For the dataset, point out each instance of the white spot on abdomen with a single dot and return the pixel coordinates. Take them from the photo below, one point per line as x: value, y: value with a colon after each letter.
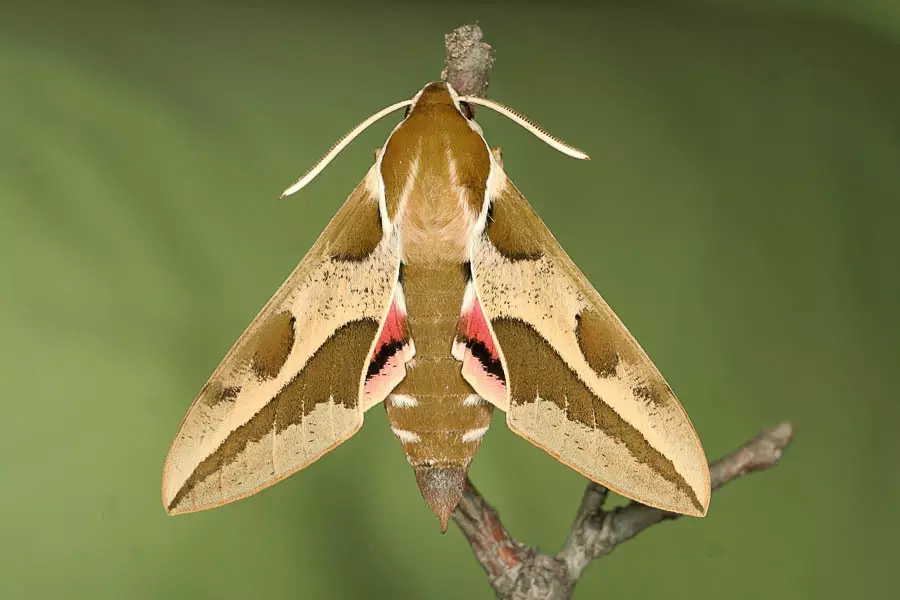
x: 472, y: 400
x: 473, y: 435
x: 403, y: 401
x: 407, y: 437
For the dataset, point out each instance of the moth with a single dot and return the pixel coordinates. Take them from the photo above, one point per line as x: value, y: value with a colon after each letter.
x: 437, y: 291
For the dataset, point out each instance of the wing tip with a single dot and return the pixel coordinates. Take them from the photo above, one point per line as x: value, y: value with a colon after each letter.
x: 165, y: 496
x: 697, y: 506
x: 694, y: 510
x: 693, y: 505
x: 168, y: 499
x: 168, y: 506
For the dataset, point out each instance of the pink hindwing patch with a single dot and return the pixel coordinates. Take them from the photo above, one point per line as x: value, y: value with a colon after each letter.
x: 476, y: 348
x: 393, y: 350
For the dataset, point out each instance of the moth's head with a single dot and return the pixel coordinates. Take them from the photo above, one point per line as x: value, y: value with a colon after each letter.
x: 438, y: 96
x: 439, y: 100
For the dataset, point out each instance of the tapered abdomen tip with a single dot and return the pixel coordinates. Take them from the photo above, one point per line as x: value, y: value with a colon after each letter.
x: 442, y: 487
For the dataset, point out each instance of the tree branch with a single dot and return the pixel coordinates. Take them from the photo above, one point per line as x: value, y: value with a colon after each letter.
x: 596, y: 532
x: 469, y: 61
x: 518, y: 571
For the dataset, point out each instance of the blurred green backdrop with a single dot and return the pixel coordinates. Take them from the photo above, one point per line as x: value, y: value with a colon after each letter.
x: 740, y: 214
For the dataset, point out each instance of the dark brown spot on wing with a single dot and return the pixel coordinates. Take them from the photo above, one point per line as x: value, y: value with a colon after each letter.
x: 507, y: 230
x: 534, y: 369
x: 597, y: 340
x: 605, y: 344
x: 654, y: 392
x: 332, y: 372
x: 216, y: 393
x: 270, y: 345
x: 227, y: 394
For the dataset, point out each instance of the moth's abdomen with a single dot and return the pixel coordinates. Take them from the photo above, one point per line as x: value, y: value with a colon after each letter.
x: 434, y: 412
x: 435, y: 169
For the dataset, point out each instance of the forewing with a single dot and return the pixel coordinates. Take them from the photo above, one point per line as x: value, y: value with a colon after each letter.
x: 577, y: 383
x: 297, y: 381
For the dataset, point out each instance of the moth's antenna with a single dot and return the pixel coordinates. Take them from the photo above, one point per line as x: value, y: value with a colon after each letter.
x: 340, y: 145
x: 527, y: 124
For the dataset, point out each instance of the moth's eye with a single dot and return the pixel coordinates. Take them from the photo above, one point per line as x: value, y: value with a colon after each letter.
x: 407, y: 111
x: 466, y: 109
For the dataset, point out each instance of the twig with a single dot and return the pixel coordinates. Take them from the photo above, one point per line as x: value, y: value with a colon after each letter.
x: 597, y: 532
x: 469, y: 61
x: 518, y: 571
x: 500, y: 555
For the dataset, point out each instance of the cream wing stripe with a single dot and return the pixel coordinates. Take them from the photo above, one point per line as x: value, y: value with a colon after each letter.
x: 268, y: 460
x: 349, y: 280
x: 521, y: 295
x: 519, y: 289
x: 207, y: 426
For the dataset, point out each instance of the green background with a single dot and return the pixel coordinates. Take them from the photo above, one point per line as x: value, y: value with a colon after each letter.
x: 740, y: 214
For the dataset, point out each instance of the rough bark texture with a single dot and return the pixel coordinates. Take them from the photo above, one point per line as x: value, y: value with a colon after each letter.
x: 469, y: 61
x: 518, y: 571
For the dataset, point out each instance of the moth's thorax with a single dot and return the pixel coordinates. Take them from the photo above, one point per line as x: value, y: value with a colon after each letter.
x: 435, y: 169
